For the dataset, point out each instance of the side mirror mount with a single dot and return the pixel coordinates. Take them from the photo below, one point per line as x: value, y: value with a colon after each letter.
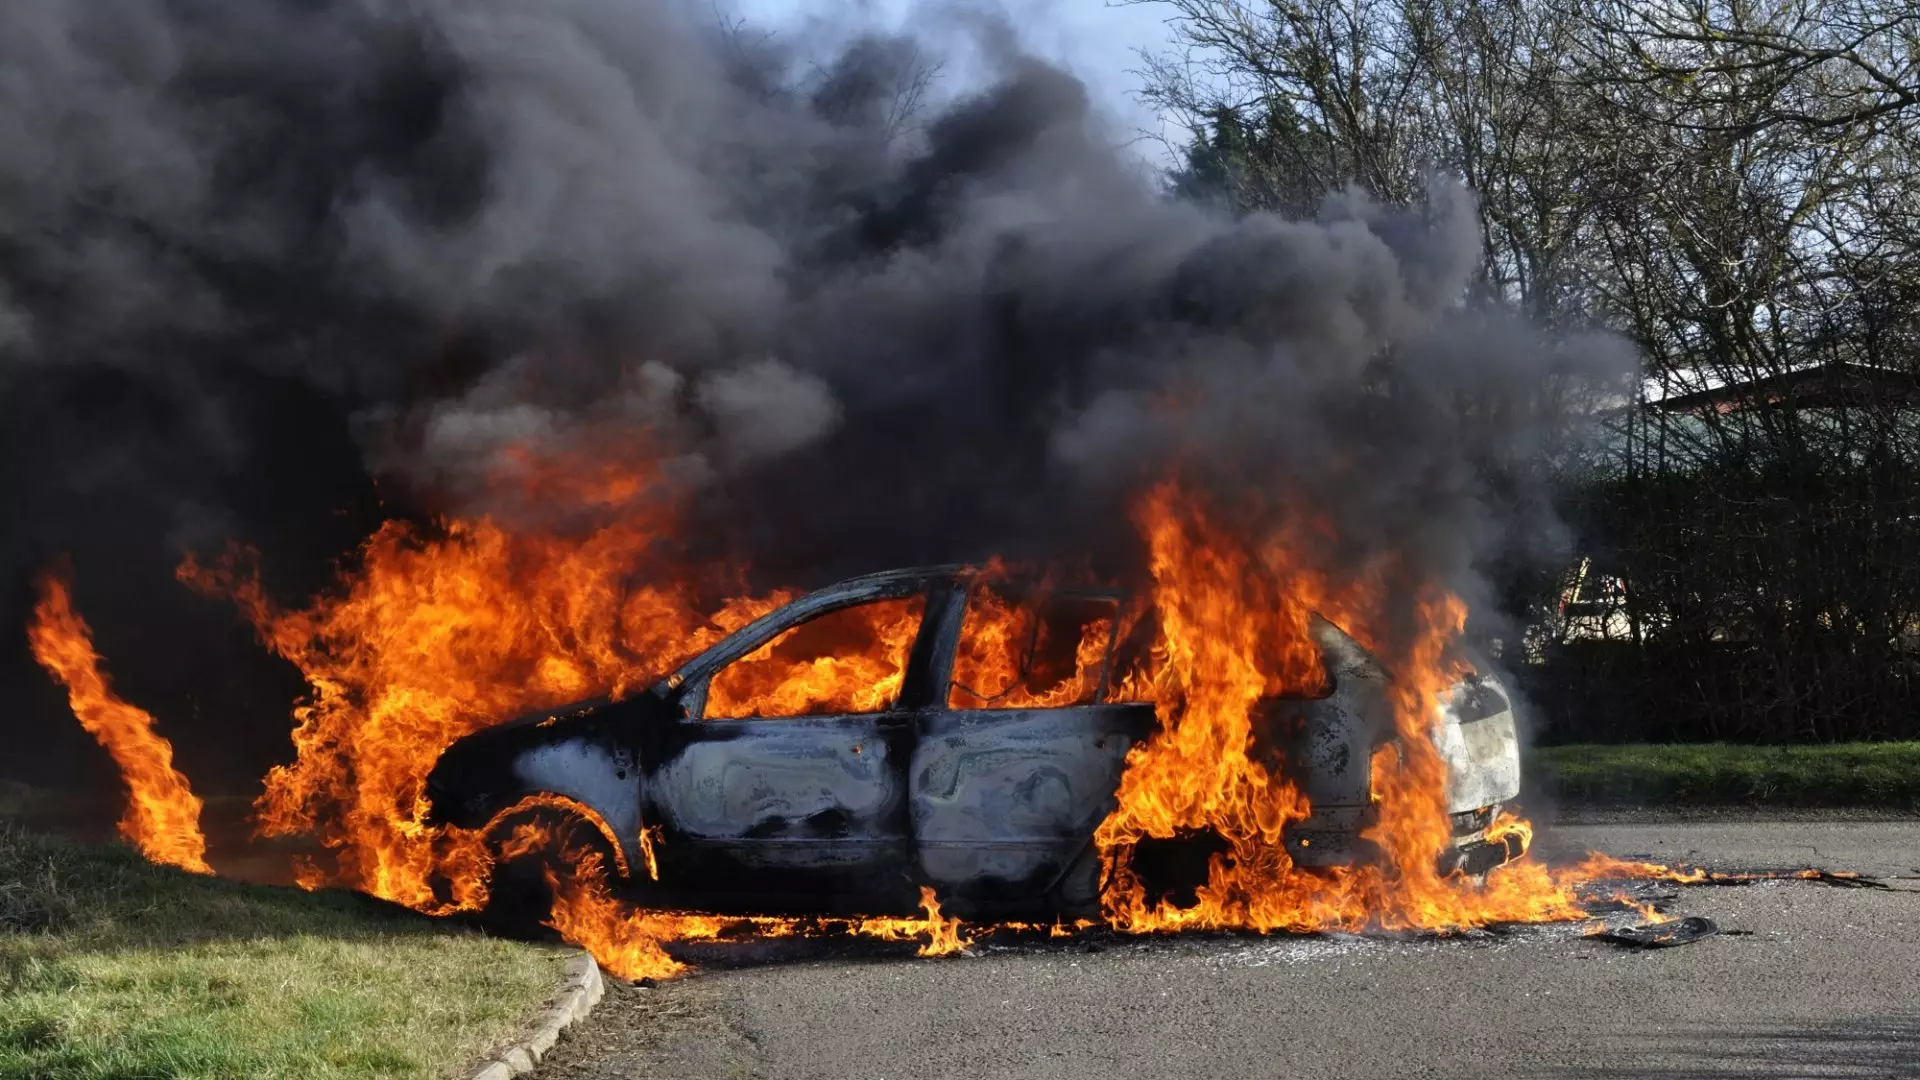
x: 690, y: 700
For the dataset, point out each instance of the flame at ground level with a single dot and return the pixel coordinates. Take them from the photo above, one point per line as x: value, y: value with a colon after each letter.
x: 162, y: 817
x: 630, y: 941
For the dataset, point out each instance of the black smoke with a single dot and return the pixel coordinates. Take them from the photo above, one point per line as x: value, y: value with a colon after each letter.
x: 272, y: 272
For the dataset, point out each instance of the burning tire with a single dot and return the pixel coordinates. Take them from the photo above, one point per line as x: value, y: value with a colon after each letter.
x: 534, y: 848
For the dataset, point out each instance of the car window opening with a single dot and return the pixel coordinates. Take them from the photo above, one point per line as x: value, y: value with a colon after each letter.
x: 1029, y: 652
x: 851, y: 660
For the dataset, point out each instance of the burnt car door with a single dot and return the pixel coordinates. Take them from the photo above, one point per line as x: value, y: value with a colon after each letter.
x: 779, y: 782
x: 1020, y: 761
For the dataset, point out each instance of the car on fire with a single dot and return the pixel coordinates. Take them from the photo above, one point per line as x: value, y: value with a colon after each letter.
x: 713, y: 799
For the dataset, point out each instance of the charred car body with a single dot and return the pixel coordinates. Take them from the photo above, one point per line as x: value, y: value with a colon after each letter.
x: 991, y: 801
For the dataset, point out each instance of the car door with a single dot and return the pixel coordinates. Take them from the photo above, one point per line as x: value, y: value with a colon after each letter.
x: 1021, y: 760
x: 781, y: 783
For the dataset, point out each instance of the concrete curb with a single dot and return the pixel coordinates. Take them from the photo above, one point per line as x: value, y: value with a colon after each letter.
x: 578, y: 995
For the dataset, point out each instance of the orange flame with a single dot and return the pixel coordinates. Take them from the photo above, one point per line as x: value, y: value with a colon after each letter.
x: 437, y: 633
x: 162, y: 818
x: 989, y: 663
x: 1235, y: 631
x: 849, y: 661
x: 1649, y: 915
x: 624, y: 940
x: 943, y: 934
x: 437, y: 636
x: 631, y: 942
x: 1598, y: 866
x: 1509, y: 825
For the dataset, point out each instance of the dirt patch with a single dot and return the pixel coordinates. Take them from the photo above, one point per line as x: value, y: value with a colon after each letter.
x: 684, y: 1028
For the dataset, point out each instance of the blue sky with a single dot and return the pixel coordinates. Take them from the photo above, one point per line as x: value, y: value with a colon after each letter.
x: 1094, y: 39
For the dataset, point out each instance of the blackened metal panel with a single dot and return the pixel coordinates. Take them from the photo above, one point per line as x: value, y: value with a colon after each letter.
x: 1326, y: 746
x: 1002, y: 801
x: 595, y: 771
x: 586, y: 752
x: 819, y: 793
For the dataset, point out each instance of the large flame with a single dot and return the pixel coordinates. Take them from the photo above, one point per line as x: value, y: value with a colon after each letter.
x: 991, y: 663
x: 436, y: 633
x: 162, y: 817
x: 1234, y: 624
x: 852, y: 660
x: 437, y: 636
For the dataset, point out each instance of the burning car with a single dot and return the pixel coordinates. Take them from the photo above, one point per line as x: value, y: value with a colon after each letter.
x: 939, y: 727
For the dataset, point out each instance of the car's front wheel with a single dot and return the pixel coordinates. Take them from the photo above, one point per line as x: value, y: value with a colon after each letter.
x: 538, y: 850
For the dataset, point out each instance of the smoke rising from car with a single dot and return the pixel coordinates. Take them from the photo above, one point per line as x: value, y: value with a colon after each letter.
x: 270, y: 272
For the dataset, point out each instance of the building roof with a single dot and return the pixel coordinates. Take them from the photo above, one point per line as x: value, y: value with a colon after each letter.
x: 1825, y: 386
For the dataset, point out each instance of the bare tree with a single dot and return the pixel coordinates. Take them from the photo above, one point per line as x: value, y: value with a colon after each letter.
x: 1732, y: 184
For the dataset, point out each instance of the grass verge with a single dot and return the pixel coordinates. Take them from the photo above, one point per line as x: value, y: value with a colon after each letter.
x: 1845, y: 774
x: 112, y: 969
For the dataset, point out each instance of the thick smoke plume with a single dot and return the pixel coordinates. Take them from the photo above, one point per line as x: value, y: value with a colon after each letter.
x: 272, y: 271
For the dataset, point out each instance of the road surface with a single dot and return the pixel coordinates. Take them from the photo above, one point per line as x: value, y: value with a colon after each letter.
x: 1818, y: 981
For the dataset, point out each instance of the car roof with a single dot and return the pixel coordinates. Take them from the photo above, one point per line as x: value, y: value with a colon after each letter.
x: 905, y: 574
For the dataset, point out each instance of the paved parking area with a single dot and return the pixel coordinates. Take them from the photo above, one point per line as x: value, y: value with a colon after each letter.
x: 1817, y: 981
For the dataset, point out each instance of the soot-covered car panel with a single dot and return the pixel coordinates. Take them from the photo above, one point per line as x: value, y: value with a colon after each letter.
x: 922, y: 727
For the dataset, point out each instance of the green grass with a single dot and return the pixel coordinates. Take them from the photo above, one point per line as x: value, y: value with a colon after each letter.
x: 114, y: 969
x: 1845, y: 774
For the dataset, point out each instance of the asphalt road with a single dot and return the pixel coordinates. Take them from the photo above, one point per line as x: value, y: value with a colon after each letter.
x: 1819, y: 981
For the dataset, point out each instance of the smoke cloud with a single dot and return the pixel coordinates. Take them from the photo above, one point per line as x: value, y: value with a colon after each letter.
x: 270, y: 272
